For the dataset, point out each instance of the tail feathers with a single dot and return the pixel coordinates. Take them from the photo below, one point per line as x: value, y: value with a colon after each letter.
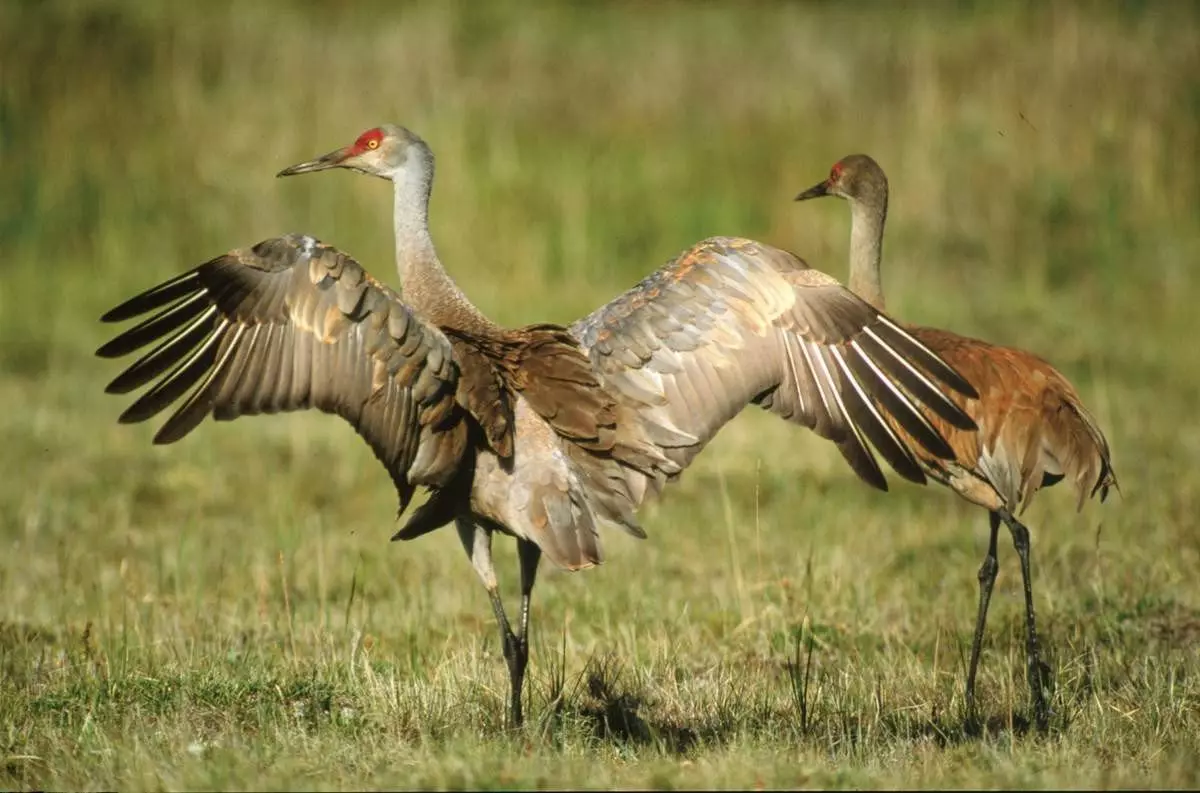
x: 563, y: 527
x: 1107, y: 477
x: 1075, y: 443
x: 607, y: 487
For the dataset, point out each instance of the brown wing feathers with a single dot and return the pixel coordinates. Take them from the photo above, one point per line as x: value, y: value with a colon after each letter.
x: 549, y: 370
x: 483, y: 392
x: 546, y: 367
x: 287, y: 325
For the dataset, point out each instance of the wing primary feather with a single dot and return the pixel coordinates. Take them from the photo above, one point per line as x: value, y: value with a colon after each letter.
x: 919, y: 385
x: 153, y: 328
x: 898, y: 404
x: 826, y: 377
x: 876, y: 428
x: 861, y: 459
x: 200, y: 402
x: 174, y: 384
x: 825, y: 415
x: 153, y: 298
x: 791, y: 360
x: 165, y: 355
x: 856, y: 452
x: 928, y: 358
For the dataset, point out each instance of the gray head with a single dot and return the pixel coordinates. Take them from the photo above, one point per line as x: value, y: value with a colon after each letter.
x: 855, y: 178
x: 388, y: 151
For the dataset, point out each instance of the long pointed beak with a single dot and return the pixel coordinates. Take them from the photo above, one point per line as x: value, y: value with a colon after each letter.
x: 331, y: 160
x: 816, y: 191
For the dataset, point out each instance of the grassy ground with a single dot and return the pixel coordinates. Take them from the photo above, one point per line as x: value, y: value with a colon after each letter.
x: 227, y: 612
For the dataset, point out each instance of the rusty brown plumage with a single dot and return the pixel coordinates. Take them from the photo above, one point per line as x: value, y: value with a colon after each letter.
x: 1033, y: 429
x: 542, y: 433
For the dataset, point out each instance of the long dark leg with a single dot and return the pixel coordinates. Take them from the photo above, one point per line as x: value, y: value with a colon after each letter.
x: 987, y: 579
x: 516, y: 655
x: 1036, y: 672
x: 478, y: 543
x: 518, y: 659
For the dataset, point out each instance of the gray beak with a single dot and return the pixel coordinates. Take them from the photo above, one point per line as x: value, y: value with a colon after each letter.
x: 816, y: 191
x: 333, y: 159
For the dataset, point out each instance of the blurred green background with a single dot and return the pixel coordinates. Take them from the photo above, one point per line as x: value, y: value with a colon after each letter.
x: 1045, y: 193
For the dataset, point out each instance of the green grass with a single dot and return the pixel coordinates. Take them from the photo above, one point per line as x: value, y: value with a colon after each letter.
x: 227, y: 612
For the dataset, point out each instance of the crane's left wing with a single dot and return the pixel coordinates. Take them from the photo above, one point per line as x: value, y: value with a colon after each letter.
x: 291, y: 324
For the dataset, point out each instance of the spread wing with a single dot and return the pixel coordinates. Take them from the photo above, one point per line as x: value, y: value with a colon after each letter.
x: 287, y: 325
x: 732, y: 322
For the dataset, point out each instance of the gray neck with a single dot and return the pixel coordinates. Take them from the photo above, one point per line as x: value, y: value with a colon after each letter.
x: 866, y: 249
x: 428, y: 288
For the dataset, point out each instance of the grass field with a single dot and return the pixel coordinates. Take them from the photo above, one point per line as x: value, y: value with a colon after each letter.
x: 227, y: 612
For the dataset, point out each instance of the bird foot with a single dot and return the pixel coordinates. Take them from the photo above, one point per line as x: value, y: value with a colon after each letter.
x: 516, y: 655
x: 1041, y: 684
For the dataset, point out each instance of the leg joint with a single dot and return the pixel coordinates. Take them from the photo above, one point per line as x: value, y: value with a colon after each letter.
x: 988, y: 570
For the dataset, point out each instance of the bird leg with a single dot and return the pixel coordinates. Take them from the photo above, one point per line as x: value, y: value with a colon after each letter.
x: 1037, y: 673
x: 987, y: 579
x: 516, y: 655
x: 477, y: 541
x: 516, y: 652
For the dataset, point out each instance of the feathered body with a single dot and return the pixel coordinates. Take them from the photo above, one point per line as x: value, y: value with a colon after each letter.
x: 1034, y: 430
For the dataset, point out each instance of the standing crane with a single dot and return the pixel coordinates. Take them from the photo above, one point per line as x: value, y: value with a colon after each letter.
x: 1033, y: 429
x: 541, y: 432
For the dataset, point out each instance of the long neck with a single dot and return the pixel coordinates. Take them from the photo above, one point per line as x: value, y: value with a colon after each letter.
x: 428, y: 288
x: 867, y: 219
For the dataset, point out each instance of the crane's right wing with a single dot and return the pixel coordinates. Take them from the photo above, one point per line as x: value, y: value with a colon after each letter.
x: 732, y: 322
x: 292, y: 324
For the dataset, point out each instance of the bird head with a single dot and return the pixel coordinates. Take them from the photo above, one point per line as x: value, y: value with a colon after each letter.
x: 856, y: 178
x: 387, y: 152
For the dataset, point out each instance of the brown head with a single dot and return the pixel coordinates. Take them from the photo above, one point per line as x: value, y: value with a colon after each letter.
x: 856, y: 178
x: 388, y: 151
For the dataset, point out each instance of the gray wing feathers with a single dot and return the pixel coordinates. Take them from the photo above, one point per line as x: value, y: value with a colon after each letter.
x: 288, y: 325
x: 732, y: 322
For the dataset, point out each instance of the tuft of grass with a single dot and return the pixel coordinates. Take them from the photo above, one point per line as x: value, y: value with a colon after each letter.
x: 227, y: 613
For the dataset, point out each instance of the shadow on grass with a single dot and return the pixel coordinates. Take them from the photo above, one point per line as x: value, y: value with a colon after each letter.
x: 601, y: 701
x: 842, y: 724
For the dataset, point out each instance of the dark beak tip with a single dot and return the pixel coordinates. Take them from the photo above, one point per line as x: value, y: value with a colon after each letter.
x: 816, y: 191
x: 333, y: 159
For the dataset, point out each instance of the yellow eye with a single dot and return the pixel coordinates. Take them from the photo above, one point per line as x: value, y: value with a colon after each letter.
x: 373, y: 144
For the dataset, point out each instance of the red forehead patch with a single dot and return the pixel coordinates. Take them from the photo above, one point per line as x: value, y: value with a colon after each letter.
x: 836, y: 171
x: 368, y: 140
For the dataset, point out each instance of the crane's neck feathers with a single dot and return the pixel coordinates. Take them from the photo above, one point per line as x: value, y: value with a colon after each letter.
x: 867, y: 219
x: 426, y: 285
